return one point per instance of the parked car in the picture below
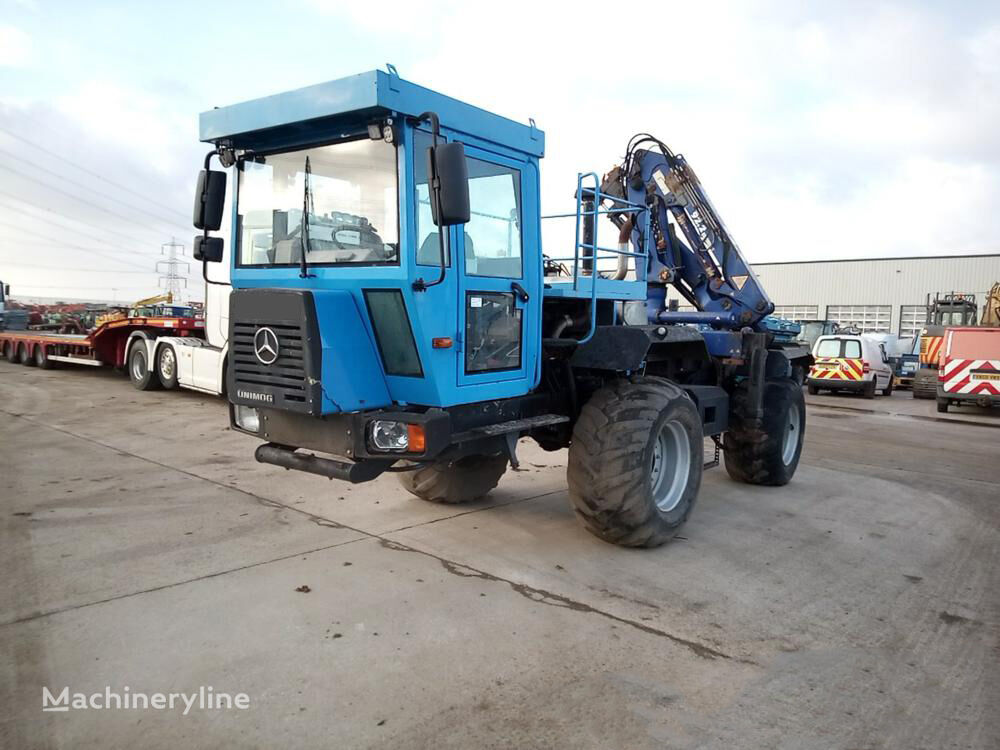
(850, 362)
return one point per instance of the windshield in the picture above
(350, 194)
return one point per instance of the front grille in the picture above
(290, 382)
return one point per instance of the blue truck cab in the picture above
(392, 309)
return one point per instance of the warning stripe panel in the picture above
(836, 368)
(974, 376)
(930, 348)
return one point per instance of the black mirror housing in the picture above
(447, 162)
(208, 248)
(209, 200)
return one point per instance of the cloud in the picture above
(15, 47)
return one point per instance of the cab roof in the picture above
(350, 103)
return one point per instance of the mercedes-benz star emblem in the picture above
(265, 346)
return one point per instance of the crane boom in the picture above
(706, 266)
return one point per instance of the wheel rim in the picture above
(671, 466)
(138, 365)
(167, 364)
(791, 442)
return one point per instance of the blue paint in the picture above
(352, 375)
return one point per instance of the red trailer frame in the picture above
(105, 345)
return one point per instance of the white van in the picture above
(850, 362)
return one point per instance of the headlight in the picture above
(246, 417)
(387, 435)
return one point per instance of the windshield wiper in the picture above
(304, 235)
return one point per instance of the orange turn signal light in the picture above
(417, 439)
(441, 343)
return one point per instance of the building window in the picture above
(797, 312)
(911, 320)
(865, 318)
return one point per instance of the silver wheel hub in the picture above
(671, 465)
(791, 440)
(167, 364)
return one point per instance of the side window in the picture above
(493, 234)
(492, 332)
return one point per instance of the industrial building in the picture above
(884, 295)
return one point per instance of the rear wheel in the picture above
(139, 373)
(42, 358)
(869, 389)
(9, 351)
(636, 461)
(459, 481)
(24, 356)
(813, 390)
(942, 405)
(766, 451)
(166, 366)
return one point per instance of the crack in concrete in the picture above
(534, 594)
(558, 600)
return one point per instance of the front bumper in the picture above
(347, 434)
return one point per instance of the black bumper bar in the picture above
(354, 472)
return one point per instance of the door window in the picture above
(493, 234)
(492, 332)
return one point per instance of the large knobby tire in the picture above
(139, 373)
(766, 452)
(166, 366)
(460, 481)
(636, 461)
(24, 355)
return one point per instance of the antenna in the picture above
(172, 269)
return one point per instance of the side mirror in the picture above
(208, 248)
(6, 290)
(446, 162)
(209, 200)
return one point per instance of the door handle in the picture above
(522, 293)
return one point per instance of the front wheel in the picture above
(636, 461)
(887, 391)
(766, 451)
(451, 482)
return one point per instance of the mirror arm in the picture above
(224, 156)
(435, 183)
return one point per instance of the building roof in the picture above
(873, 260)
(372, 94)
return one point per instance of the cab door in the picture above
(499, 301)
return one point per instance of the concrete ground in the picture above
(141, 546)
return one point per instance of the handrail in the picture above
(620, 205)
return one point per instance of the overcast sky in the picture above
(839, 130)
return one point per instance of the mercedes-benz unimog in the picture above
(393, 309)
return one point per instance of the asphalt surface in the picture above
(141, 546)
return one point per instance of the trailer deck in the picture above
(105, 345)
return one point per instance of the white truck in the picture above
(164, 361)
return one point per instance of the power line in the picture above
(117, 215)
(67, 244)
(167, 222)
(36, 207)
(89, 171)
(16, 264)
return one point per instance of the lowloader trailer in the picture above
(146, 347)
(393, 311)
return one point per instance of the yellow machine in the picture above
(136, 310)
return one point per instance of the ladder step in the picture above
(503, 428)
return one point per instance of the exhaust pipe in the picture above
(354, 472)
